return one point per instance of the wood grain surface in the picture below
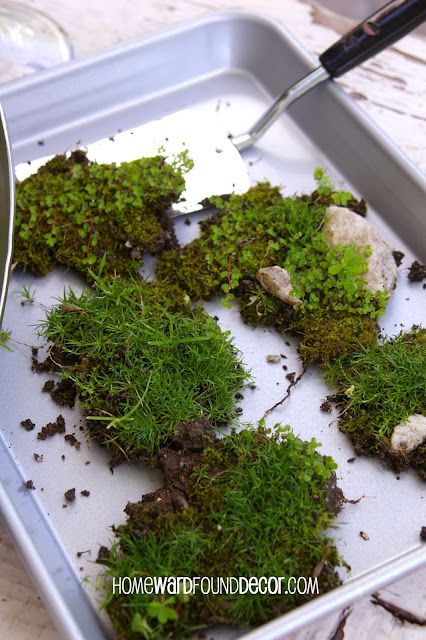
(392, 89)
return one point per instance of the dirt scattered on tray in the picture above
(72, 440)
(69, 495)
(326, 406)
(48, 386)
(398, 257)
(58, 426)
(423, 534)
(417, 272)
(29, 484)
(38, 457)
(85, 493)
(64, 393)
(27, 424)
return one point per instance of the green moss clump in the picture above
(77, 213)
(255, 506)
(262, 228)
(143, 361)
(381, 386)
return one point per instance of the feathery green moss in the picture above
(143, 361)
(381, 385)
(255, 506)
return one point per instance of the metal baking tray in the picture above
(233, 65)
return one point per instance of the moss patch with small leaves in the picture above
(262, 228)
(142, 361)
(248, 505)
(75, 212)
(379, 387)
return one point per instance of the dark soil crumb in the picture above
(27, 424)
(417, 272)
(51, 428)
(70, 495)
(351, 460)
(29, 484)
(34, 351)
(85, 493)
(398, 256)
(38, 457)
(64, 393)
(80, 553)
(70, 437)
(103, 555)
(87, 462)
(48, 386)
(239, 396)
(63, 457)
(291, 376)
(423, 534)
(326, 406)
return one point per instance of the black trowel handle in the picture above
(380, 30)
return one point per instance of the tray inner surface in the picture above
(392, 510)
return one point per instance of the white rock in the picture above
(276, 281)
(343, 226)
(408, 435)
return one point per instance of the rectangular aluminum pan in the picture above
(232, 65)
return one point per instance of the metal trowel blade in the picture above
(218, 167)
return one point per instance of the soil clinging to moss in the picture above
(246, 505)
(142, 360)
(94, 217)
(379, 388)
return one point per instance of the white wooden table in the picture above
(392, 90)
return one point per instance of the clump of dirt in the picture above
(58, 426)
(398, 257)
(64, 393)
(219, 512)
(27, 424)
(417, 272)
(72, 440)
(95, 217)
(69, 495)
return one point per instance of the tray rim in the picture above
(322, 606)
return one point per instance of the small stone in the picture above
(276, 281)
(410, 434)
(272, 358)
(423, 534)
(364, 535)
(29, 484)
(343, 226)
